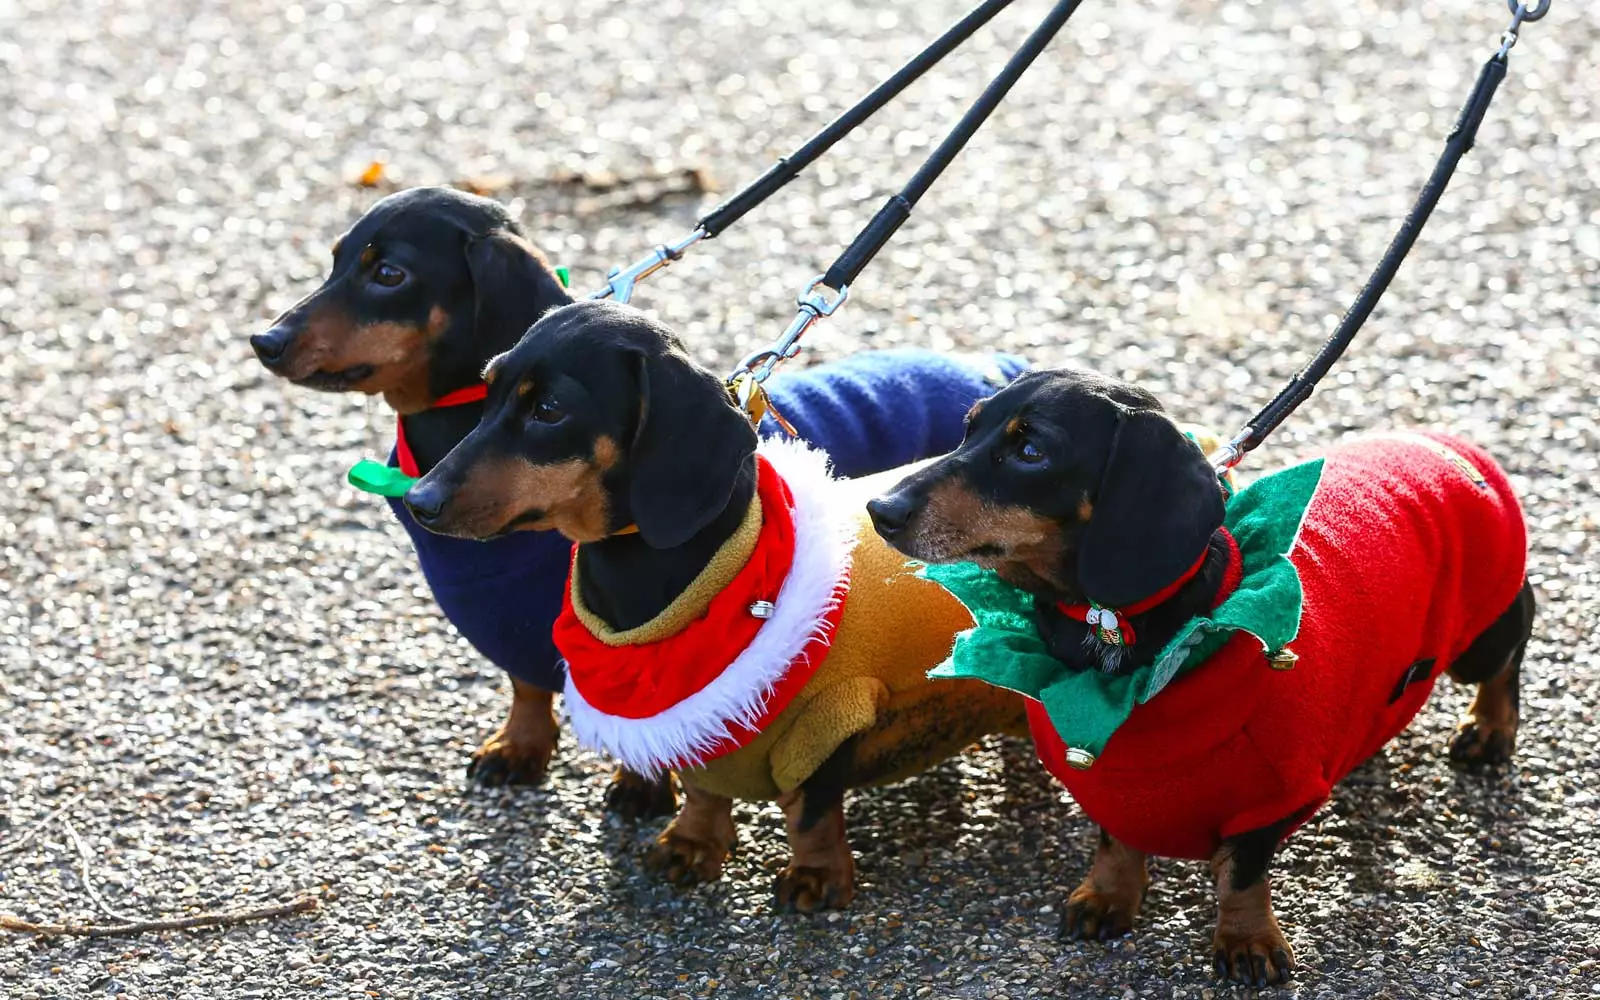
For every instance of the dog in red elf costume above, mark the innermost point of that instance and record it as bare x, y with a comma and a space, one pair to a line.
1203, 669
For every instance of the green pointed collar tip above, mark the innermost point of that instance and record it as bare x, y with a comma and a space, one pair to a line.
564, 276
383, 480
1004, 647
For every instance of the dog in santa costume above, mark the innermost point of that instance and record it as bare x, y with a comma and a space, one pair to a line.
730, 613
1202, 669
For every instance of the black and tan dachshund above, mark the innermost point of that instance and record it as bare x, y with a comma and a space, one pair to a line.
426, 287
600, 426
1077, 489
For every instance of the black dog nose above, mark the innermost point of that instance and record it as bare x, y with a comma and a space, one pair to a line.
425, 502
271, 346
889, 514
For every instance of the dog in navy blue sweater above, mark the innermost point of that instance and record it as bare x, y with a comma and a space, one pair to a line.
428, 286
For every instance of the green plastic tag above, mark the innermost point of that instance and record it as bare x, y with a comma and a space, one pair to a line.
564, 276
376, 477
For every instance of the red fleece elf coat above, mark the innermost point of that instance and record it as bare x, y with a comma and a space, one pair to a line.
1411, 547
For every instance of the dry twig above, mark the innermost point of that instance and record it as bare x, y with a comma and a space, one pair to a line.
226, 918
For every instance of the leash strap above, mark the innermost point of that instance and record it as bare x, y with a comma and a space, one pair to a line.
1456, 146
814, 300
897, 210
621, 281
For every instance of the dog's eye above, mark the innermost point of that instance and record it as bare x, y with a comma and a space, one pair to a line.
1028, 452
547, 411
387, 275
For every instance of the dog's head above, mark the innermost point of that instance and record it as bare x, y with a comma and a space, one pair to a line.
1071, 485
429, 284
596, 421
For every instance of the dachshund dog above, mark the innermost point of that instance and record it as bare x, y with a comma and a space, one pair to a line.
730, 613
433, 282
1408, 558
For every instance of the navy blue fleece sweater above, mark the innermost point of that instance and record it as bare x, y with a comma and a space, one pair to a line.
872, 411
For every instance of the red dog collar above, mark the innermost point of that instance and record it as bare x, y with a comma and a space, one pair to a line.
402, 451
1111, 625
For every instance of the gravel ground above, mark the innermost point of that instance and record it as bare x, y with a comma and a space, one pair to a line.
223, 661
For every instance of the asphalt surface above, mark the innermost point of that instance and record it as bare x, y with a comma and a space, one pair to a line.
224, 664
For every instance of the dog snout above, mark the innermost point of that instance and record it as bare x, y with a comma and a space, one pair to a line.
272, 347
425, 501
891, 514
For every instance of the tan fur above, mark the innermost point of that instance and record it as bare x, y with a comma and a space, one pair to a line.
333, 341
1247, 930
524, 743
821, 872
698, 840
1106, 901
568, 496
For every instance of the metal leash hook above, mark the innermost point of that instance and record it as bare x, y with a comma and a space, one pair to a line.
1520, 12
747, 381
621, 281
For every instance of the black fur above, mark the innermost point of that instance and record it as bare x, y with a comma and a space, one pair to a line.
459, 253
685, 454
1054, 443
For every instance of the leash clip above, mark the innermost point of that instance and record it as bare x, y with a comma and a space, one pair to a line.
757, 366
1231, 454
1521, 12
621, 281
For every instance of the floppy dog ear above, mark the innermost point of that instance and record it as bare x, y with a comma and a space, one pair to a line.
1158, 504
689, 444
512, 286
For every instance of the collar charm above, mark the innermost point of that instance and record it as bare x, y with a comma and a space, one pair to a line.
1105, 626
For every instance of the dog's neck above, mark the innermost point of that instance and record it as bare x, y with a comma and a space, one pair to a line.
626, 583
431, 433
1074, 642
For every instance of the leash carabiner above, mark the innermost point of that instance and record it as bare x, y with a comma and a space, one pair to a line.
621, 281
747, 381
1520, 13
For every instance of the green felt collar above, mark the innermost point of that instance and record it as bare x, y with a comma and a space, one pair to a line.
1086, 706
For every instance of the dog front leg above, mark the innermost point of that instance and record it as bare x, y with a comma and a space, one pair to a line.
695, 844
1248, 946
1106, 901
519, 751
821, 874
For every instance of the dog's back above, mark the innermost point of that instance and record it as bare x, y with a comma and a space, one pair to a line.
1412, 547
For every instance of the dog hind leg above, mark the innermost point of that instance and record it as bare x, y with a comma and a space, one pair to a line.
1494, 663
632, 796
1248, 946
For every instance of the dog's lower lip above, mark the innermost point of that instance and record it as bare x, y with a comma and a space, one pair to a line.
986, 549
341, 379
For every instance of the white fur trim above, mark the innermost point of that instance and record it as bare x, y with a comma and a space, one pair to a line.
825, 537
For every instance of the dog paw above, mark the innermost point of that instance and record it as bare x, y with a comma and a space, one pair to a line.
806, 889
685, 860
631, 796
1259, 958
506, 760
1479, 744
1093, 915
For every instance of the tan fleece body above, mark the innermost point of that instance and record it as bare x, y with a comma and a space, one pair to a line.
873, 684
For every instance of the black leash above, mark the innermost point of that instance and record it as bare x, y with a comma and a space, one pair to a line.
621, 280
754, 369
1456, 146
